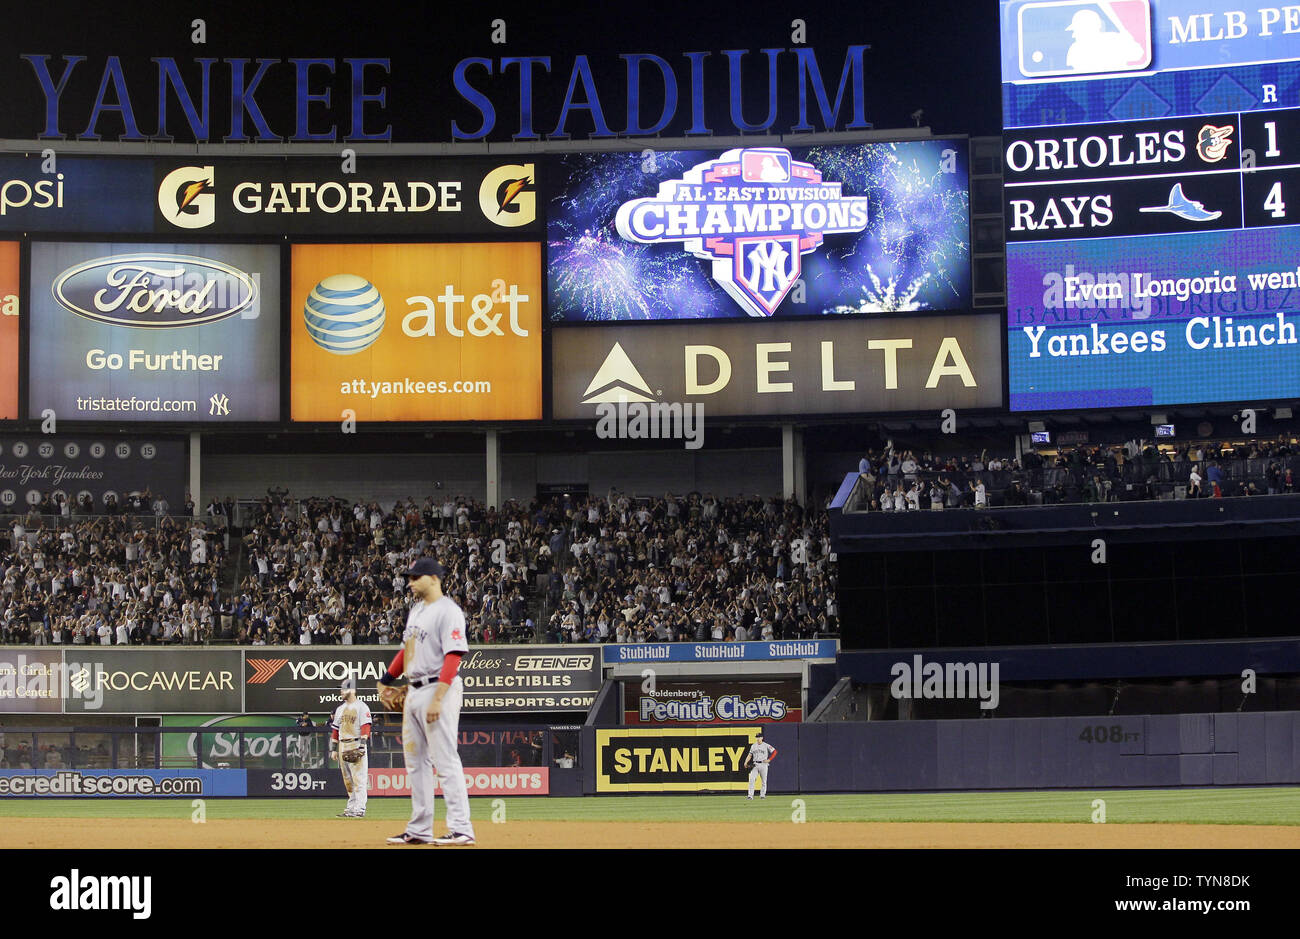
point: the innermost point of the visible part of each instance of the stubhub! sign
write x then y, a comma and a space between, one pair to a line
720, 651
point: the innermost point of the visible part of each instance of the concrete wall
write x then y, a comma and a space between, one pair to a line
387, 477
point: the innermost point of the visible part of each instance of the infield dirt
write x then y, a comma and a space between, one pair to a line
368, 833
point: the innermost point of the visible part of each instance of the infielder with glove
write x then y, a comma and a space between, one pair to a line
349, 743
432, 647
761, 755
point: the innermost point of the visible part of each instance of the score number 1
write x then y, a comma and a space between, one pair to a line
1273, 203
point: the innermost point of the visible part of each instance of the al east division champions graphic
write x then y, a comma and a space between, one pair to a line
131, 332
417, 332
759, 232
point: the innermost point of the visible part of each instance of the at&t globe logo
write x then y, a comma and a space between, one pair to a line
344, 314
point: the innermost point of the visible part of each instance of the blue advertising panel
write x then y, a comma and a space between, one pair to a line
75, 194
1119, 322
122, 784
616, 654
1152, 186
759, 232
157, 332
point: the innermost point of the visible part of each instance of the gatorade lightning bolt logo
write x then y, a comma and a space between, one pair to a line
754, 213
264, 669
513, 188
191, 191
506, 196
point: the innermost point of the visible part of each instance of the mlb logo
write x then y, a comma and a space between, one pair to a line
765, 166
1083, 37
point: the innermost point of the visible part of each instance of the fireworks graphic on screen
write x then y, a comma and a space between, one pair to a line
913, 255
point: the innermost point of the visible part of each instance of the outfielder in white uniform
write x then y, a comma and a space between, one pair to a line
350, 731
761, 755
432, 647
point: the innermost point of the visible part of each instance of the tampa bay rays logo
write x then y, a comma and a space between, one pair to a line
754, 213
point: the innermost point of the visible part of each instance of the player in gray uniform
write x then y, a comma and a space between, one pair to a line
761, 755
432, 646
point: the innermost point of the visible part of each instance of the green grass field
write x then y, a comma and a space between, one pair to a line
1264, 806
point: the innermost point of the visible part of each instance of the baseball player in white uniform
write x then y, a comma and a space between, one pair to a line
432, 647
350, 734
761, 755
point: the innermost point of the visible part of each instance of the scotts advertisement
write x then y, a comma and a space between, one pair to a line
9, 313
348, 196
109, 680
416, 332
759, 232
673, 759
530, 679
101, 469
285, 680
670, 702
637, 381
161, 332
218, 745
31, 681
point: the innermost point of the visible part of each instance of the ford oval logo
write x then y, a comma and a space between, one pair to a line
155, 290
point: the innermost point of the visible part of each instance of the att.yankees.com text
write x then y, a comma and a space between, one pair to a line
76, 784
411, 386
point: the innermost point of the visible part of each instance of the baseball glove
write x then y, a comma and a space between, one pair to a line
354, 756
393, 697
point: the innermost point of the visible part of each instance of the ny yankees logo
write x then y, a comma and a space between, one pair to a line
219, 405
766, 269
754, 213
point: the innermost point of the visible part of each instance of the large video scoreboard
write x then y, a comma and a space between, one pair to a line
1152, 168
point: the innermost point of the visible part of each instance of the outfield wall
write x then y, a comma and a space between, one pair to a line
952, 755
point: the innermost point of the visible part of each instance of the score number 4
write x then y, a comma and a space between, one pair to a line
1273, 203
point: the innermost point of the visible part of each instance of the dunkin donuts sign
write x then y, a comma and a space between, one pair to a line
479, 781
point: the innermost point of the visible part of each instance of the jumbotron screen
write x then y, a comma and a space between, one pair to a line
759, 232
1152, 186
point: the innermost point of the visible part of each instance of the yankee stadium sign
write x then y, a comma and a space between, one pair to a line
754, 213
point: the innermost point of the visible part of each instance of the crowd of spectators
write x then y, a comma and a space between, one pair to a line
897, 480
322, 571
694, 569
111, 580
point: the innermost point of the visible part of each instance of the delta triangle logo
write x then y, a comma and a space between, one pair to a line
617, 380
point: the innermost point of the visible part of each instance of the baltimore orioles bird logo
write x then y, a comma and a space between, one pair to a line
1212, 142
